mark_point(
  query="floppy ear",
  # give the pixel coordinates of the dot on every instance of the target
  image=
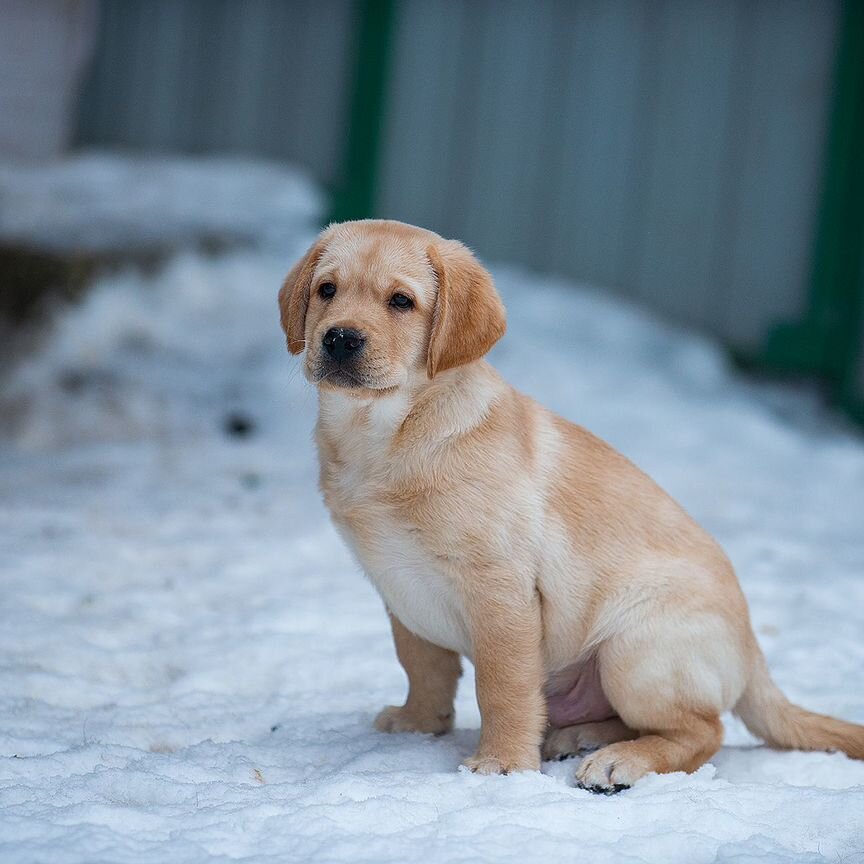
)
(294, 298)
(469, 316)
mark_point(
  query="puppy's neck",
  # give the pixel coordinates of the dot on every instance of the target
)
(342, 413)
(452, 403)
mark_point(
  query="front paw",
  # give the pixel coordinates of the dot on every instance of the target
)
(396, 718)
(481, 763)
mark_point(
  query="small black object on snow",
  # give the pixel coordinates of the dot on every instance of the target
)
(238, 425)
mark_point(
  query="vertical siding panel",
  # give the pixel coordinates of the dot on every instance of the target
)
(641, 148)
(684, 180)
(508, 129)
(210, 72)
(96, 94)
(132, 71)
(254, 73)
(601, 109)
(735, 143)
(454, 97)
(188, 110)
(277, 108)
(320, 88)
(559, 148)
(255, 76)
(424, 103)
(778, 193)
(225, 112)
(480, 172)
(162, 97)
(525, 161)
(464, 152)
(401, 187)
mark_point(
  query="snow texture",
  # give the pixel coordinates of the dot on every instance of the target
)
(190, 661)
(100, 201)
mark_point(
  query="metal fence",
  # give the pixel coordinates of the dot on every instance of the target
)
(671, 150)
(264, 77)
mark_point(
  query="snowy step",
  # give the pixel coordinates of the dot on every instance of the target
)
(65, 222)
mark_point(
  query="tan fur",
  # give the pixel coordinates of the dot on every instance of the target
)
(571, 740)
(495, 530)
(433, 674)
(469, 316)
(294, 299)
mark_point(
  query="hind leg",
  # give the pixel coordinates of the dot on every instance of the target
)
(570, 740)
(620, 765)
(670, 682)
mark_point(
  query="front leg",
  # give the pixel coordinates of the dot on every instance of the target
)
(433, 674)
(508, 660)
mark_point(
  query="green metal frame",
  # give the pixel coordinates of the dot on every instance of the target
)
(826, 342)
(355, 198)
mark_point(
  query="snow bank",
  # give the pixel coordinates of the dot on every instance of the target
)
(101, 201)
(190, 664)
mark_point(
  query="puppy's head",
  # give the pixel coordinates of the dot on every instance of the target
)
(375, 304)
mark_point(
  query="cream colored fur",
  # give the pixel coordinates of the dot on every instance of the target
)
(496, 530)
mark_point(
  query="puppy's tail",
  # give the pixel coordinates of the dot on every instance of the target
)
(768, 714)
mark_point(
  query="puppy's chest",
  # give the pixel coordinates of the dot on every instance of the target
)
(413, 580)
(417, 589)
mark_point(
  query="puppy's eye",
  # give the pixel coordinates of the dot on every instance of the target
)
(400, 301)
(326, 290)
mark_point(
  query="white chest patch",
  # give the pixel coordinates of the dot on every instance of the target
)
(413, 583)
(417, 590)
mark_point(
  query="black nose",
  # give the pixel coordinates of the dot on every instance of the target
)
(341, 342)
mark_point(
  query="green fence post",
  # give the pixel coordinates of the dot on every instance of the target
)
(826, 343)
(355, 196)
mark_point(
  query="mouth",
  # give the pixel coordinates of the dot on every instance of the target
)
(339, 378)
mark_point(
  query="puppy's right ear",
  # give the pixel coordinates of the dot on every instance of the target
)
(294, 298)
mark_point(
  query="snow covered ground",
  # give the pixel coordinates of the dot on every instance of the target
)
(190, 662)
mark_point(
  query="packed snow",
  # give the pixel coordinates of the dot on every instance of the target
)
(190, 661)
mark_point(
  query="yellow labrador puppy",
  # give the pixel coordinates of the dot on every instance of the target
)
(597, 613)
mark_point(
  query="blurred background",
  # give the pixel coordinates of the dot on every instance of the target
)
(667, 192)
(700, 157)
